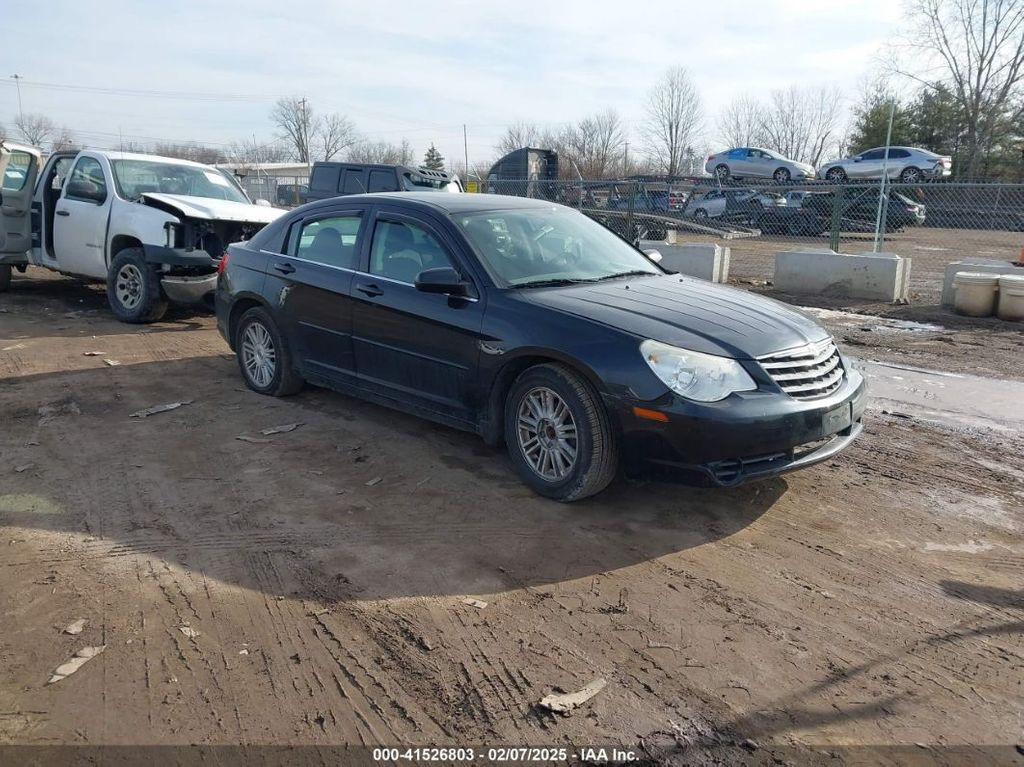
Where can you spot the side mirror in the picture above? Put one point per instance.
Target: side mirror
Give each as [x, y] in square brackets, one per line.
[443, 280]
[86, 191]
[654, 255]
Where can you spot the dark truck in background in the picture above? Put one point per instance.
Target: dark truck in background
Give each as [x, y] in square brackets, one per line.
[337, 179]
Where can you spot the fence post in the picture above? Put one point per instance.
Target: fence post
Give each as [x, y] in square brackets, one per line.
[629, 211]
[838, 194]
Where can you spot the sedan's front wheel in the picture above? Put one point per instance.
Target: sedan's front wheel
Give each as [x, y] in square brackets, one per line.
[263, 355]
[559, 435]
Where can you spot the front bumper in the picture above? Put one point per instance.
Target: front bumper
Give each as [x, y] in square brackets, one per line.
[747, 436]
[187, 289]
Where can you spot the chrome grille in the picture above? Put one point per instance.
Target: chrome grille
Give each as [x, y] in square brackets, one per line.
[806, 373]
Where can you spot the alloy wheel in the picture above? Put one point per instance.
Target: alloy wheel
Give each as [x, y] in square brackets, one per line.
[128, 286]
[547, 434]
[258, 354]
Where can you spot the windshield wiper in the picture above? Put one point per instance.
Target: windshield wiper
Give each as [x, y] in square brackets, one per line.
[552, 283]
[634, 273]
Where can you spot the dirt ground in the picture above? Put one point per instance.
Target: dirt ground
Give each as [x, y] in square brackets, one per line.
[319, 574]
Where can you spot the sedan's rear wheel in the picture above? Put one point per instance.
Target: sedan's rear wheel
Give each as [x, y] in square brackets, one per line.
[911, 175]
[263, 355]
[559, 435]
[722, 172]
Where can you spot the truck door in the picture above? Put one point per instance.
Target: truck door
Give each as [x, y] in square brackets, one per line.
[80, 223]
[19, 167]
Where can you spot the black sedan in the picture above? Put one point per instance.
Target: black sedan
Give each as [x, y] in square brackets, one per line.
[530, 324]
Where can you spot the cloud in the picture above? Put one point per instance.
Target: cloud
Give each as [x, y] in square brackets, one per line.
[413, 69]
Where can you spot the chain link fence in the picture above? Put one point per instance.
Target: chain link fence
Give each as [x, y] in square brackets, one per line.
[933, 223]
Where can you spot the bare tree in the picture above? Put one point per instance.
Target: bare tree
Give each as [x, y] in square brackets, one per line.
[595, 144]
[519, 135]
[35, 129]
[336, 133]
[253, 152]
[297, 123]
[190, 151]
[64, 140]
[801, 122]
[382, 152]
[674, 118]
[976, 47]
[739, 124]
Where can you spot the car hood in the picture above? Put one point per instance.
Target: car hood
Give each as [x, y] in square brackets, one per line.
[688, 313]
[213, 209]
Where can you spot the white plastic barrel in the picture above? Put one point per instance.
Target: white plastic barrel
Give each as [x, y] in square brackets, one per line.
[1011, 297]
[975, 293]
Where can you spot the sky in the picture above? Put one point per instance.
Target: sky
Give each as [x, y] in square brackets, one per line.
[210, 72]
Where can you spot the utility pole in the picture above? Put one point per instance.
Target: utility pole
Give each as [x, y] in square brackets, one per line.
[625, 161]
[882, 201]
[17, 84]
[305, 135]
[465, 150]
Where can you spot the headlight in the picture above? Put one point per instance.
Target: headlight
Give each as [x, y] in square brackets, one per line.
[700, 377]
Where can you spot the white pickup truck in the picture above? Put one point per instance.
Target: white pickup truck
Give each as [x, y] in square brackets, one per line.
[152, 228]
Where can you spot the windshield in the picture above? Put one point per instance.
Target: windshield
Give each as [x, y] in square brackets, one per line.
[136, 177]
[549, 245]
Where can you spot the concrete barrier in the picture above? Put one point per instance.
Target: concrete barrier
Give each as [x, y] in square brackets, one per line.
[707, 262]
[982, 265]
[871, 276]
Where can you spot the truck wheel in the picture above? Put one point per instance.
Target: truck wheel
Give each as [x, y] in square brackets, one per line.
[559, 435]
[263, 355]
[133, 288]
[5, 277]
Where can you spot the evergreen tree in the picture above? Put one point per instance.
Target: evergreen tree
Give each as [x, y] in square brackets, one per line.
[871, 121]
[433, 159]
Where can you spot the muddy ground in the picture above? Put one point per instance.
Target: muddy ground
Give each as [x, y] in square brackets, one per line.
[319, 575]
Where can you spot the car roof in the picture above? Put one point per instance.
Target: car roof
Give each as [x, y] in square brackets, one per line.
[448, 203]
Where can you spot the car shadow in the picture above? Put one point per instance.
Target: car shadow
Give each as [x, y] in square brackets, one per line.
[358, 502]
[70, 307]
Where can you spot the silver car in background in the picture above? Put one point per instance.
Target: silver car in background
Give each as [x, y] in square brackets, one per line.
[753, 162]
[909, 164]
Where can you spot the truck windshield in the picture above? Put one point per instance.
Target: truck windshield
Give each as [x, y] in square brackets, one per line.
[137, 177]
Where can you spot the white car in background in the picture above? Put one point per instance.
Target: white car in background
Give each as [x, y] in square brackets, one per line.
[753, 162]
[908, 164]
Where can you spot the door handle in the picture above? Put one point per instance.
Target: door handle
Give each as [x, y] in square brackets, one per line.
[370, 290]
[284, 267]
[63, 213]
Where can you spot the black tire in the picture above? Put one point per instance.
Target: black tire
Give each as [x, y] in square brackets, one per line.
[283, 381]
[5, 277]
[835, 174]
[911, 175]
[782, 175]
[596, 458]
[722, 172]
[133, 288]
[700, 214]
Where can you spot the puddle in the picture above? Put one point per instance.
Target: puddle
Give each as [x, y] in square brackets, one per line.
[849, 319]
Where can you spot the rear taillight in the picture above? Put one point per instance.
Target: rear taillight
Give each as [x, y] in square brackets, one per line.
[223, 263]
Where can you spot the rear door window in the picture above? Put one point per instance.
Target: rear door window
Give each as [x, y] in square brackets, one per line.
[382, 181]
[352, 183]
[331, 241]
